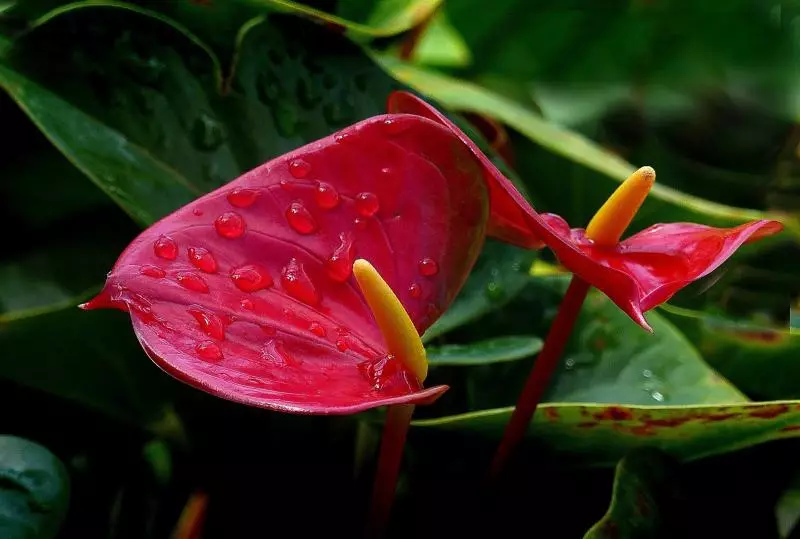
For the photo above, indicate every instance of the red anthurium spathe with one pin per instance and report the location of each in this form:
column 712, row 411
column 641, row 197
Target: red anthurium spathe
column 247, row 293
column 638, row 273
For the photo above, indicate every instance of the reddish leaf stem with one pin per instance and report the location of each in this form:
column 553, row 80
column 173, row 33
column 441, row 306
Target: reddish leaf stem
column 398, row 419
column 541, row 373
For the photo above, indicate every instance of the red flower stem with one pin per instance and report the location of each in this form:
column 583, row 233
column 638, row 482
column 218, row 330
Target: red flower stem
column 541, row 373
column 398, row 419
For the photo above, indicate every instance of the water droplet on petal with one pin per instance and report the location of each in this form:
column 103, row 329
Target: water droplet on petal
column 197, row 211
column 297, row 283
column 393, row 127
column 341, row 346
column 342, row 138
column 360, row 223
column 415, row 290
column 242, row 198
column 251, row 278
column 428, row 267
column 299, row 169
column 153, row 271
column 300, row 219
column 166, row 248
column 209, row 350
column 340, row 264
column 191, row 281
column 382, row 371
column 210, row 323
column 229, row 225
column 317, row 329
column 247, row 304
column 367, row 204
column 202, row 259
column 326, row 196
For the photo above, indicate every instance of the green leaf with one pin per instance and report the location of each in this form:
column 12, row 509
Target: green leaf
column 440, row 45
column 619, row 388
column 761, row 361
column 643, row 498
column 600, row 434
column 34, row 490
column 563, row 167
column 91, row 358
column 608, row 358
column 787, row 510
column 508, row 348
column 138, row 104
column 499, row 274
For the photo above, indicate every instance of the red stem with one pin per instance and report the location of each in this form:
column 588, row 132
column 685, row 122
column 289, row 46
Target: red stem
column 398, row 419
column 541, row 373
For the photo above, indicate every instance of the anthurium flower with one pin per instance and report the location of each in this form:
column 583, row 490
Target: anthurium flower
column 638, row 273
column 248, row 292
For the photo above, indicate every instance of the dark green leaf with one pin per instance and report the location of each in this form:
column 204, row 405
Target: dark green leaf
column 34, row 490
column 761, row 361
column 644, row 499
column 499, row 274
column 89, row 357
column 509, row 348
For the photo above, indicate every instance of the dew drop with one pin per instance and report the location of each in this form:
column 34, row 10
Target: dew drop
column 297, row 283
column 380, row 372
column 317, row 329
column 341, row 138
column 300, row 219
column 229, row 225
column 393, row 127
column 340, row 264
column 247, row 304
column 299, row 169
column 166, row 248
column 191, row 281
column 367, row 204
column 153, row 271
column 209, row 350
column 251, row 278
column 415, row 290
column 197, row 211
column 341, row 345
column 210, row 323
column 202, row 259
column 428, row 267
column 326, row 196
column 360, row 223
column 657, row 396
column 242, row 198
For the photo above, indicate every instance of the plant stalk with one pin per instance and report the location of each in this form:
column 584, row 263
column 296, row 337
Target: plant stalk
column 398, row 419
column 541, row 373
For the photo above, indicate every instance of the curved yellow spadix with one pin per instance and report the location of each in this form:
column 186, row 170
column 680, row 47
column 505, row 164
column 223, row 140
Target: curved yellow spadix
column 611, row 220
column 397, row 329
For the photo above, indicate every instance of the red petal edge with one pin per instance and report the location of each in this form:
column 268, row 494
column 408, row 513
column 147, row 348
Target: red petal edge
column 246, row 293
column 647, row 269
column 508, row 207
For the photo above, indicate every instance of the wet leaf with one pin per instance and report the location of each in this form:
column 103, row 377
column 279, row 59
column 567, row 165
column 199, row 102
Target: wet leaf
column 508, row 348
column 618, row 388
column 34, row 490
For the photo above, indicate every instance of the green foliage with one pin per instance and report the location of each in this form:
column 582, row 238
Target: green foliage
column 34, row 490
column 117, row 113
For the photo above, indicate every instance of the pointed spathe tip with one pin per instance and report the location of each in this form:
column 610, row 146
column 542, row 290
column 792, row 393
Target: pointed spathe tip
column 100, row 301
